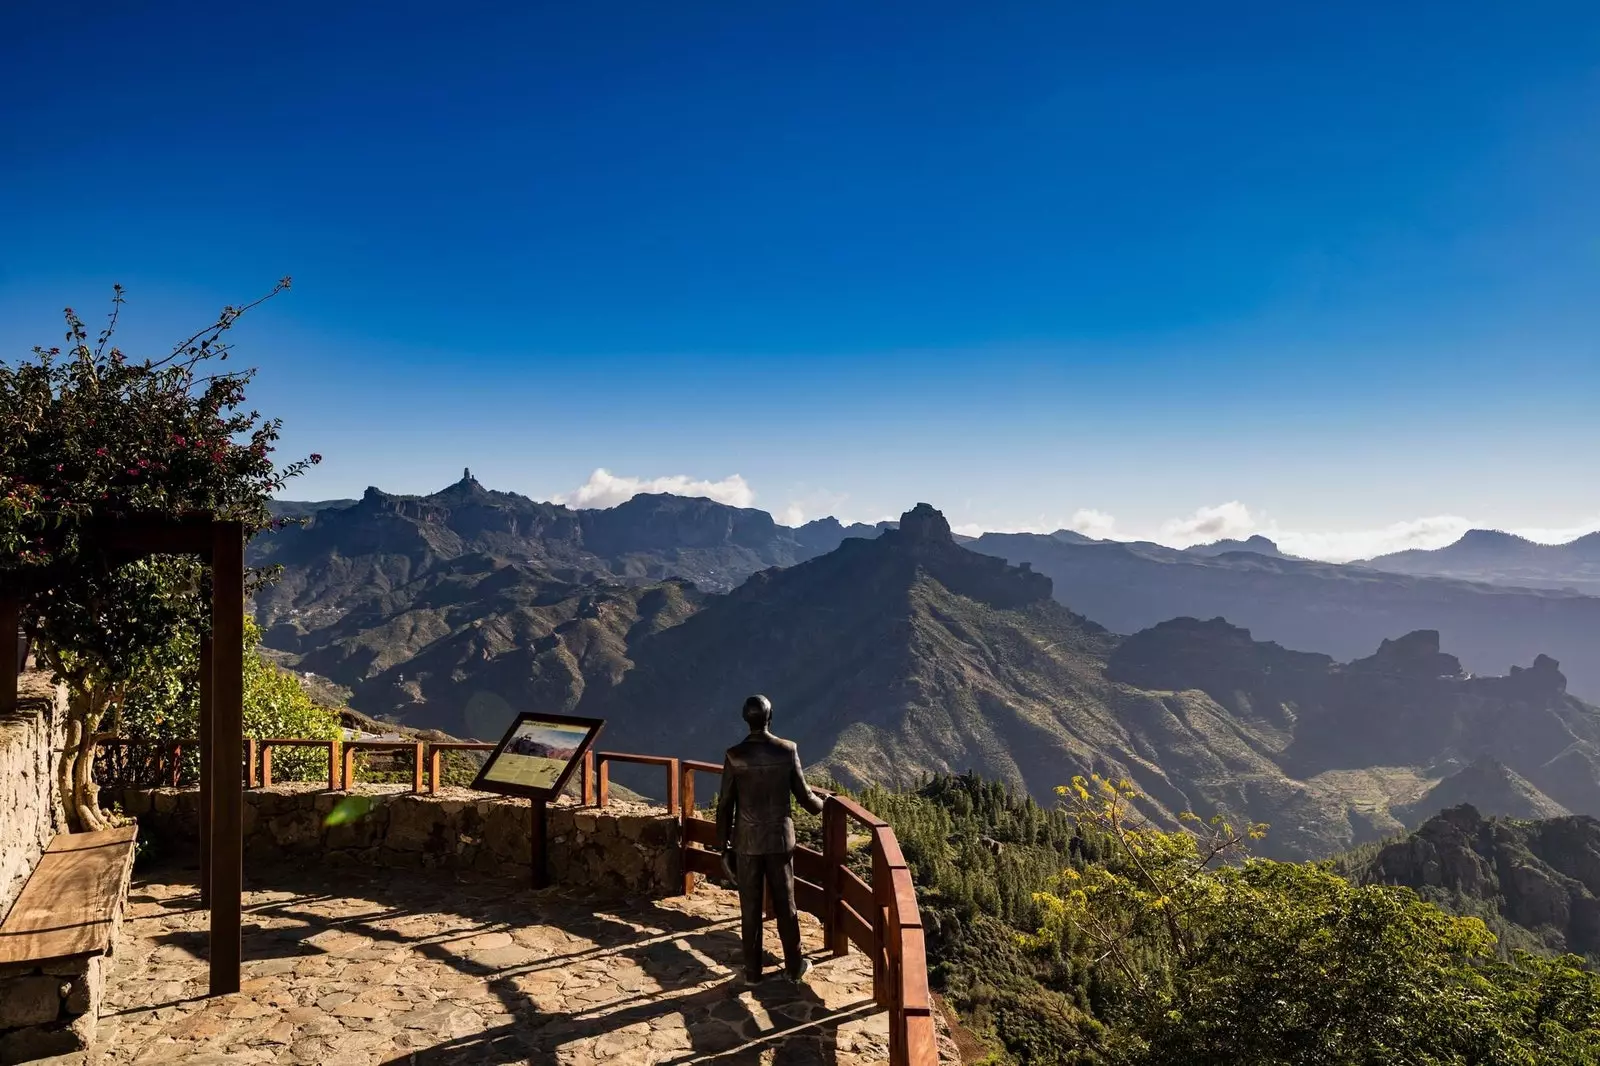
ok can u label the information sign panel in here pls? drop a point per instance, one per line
(537, 755)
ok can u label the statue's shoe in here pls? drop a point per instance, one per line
(799, 972)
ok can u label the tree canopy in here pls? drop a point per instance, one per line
(93, 436)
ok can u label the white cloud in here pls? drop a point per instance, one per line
(605, 489)
(1233, 520)
(811, 506)
(1225, 521)
(1341, 546)
(1092, 523)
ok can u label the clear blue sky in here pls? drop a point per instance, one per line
(1341, 265)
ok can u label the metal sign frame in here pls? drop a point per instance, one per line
(483, 783)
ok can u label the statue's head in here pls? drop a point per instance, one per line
(757, 713)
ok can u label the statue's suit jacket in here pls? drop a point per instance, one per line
(758, 777)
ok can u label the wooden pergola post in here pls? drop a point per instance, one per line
(221, 758)
(220, 544)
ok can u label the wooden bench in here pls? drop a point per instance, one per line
(53, 940)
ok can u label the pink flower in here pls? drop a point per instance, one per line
(315, 458)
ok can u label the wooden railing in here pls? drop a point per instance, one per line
(266, 746)
(880, 916)
(604, 759)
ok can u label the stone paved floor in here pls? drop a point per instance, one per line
(361, 966)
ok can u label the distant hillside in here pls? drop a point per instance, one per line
(900, 653)
(902, 656)
(1339, 610)
(1537, 883)
(383, 539)
(1504, 559)
(1257, 545)
(1488, 785)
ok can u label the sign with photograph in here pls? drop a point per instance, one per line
(537, 755)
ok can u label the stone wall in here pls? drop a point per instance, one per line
(50, 1009)
(628, 849)
(30, 814)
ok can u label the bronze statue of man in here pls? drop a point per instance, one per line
(756, 831)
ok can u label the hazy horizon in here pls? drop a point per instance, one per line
(1228, 521)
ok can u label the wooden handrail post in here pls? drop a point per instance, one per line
(435, 770)
(266, 765)
(881, 896)
(333, 765)
(674, 783)
(603, 792)
(588, 779)
(687, 799)
(349, 767)
(835, 842)
(250, 761)
(416, 768)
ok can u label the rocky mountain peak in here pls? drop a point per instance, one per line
(924, 523)
(1416, 654)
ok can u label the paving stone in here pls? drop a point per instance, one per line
(391, 964)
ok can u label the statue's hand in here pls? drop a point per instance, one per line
(727, 865)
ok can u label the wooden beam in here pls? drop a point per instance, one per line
(139, 535)
(205, 770)
(10, 652)
(222, 761)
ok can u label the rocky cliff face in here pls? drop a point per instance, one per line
(1541, 877)
(1407, 704)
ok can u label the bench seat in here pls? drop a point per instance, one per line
(55, 941)
(72, 903)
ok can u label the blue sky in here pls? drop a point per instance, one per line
(1166, 270)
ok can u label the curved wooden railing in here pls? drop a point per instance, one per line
(879, 916)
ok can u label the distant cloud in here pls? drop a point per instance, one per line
(605, 489)
(811, 506)
(1222, 522)
(1092, 523)
(1234, 521)
(1344, 545)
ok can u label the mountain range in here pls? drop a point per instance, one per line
(1339, 609)
(893, 651)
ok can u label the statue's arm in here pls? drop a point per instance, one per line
(802, 791)
(727, 800)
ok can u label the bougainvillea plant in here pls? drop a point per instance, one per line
(88, 436)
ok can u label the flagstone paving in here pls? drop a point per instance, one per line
(365, 966)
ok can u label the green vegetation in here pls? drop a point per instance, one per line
(162, 705)
(92, 437)
(1083, 935)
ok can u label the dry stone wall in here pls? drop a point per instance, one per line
(627, 849)
(29, 811)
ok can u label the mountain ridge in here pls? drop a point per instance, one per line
(1503, 558)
